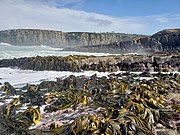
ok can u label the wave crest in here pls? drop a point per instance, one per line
(7, 44)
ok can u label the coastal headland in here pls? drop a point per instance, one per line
(165, 40)
(139, 94)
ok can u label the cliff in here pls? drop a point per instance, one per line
(61, 39)
(165, 40)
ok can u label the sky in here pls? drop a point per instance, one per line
(120, 16)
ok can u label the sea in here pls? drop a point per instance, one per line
(8, 51)
(18, 77)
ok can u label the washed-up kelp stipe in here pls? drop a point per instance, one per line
(119, 104)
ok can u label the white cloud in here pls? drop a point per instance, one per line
(165, 18)
(20, 14)
(75, 4)
(155, 23)
(162, 19)
(48, 14)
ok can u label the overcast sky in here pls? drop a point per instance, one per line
(124, 16)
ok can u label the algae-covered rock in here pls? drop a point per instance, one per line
(8, 89)
(155, 62)
(120, 103)
(167, 132)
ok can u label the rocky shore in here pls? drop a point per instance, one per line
(140, 95)
(122, 103)
(142, 102)
(166, 62)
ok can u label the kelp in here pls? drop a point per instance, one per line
(19, 123)
(131, 106)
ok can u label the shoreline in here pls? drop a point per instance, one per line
(14, 75)
(81, 90)
(77, 63)
(95, 95)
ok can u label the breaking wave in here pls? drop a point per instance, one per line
(8, 51)
(5, 44)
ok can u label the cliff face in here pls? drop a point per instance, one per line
(59, 38)
(166, 40)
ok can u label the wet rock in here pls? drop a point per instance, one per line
(136, 63)
(101, 102)
(33, 95)
(51, 85)
(8, 88)
(167, 132)
(145, 74)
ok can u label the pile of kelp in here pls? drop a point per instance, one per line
(120, 104)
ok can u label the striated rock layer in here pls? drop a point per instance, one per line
(157, 62)
(61, 39)
(166, 40)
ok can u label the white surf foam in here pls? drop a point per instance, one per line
(11, 51)
(19, 77)
(5, 44)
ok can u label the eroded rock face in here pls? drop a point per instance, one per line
(157, 62)
(60, 39)
(166, 40)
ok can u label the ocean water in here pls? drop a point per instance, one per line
(8, 51)
(19, 77)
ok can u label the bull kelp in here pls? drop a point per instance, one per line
(120, 104)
